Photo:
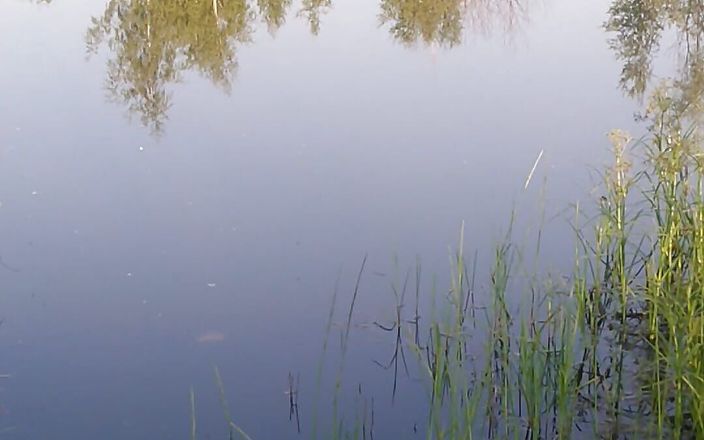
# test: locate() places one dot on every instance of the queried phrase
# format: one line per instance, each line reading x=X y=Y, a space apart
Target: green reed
x=613 y=350
x=619 y=349
x=675 y=274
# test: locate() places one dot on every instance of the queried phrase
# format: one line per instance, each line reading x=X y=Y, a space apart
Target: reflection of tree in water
x=638 y=27
x=443 y=22
x=273 y=12
x=431 y=22
x=312 y=10
x=154 y=42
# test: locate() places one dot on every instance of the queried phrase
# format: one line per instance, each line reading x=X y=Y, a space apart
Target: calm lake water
x=180 y=191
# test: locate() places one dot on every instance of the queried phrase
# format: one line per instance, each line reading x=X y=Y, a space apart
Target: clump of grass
x=619 y=350
x=674 y=284
x=615 y=351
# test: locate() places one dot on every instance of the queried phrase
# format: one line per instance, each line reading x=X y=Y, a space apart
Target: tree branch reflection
x=152 y=43
x=638 y=28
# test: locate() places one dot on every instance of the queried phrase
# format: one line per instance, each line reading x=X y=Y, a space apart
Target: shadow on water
x=152 y=44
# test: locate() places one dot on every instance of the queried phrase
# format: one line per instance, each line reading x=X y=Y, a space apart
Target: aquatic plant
x=614 y=350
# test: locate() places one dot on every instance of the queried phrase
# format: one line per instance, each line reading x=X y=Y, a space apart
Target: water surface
x=181 y=187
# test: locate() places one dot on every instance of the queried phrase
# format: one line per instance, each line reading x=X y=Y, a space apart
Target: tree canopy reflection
x=443 y=22
x=153 y=43
x=412 y=21
x=638 y=28
x=312 y=11
x=273 y=12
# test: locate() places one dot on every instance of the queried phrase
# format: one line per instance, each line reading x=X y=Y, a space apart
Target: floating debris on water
x=211 y=285
x=211 y=336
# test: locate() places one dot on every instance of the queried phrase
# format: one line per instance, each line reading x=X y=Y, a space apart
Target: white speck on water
x=211 y=285
x=35 y=193
x=129 y=274
x=141 y=148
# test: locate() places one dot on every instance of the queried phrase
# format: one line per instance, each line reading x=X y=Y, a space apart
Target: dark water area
x=182 y=184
